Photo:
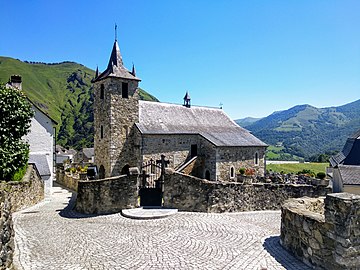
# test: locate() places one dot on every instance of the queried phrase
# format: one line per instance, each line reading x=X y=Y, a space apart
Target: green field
x=296 y=167
x=278 y=153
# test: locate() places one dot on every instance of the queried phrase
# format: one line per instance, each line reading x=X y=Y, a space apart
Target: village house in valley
x=345 y=166
x=130 y=131
x=41 y=139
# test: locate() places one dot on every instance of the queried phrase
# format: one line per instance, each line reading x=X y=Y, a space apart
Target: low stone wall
x=189 y=193
x=324 y=233
x=108 y=195
x=67 y=180
x=7 y=233
x=15 y=196
x=25 y=193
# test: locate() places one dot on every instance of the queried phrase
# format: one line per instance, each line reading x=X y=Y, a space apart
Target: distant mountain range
x=64 y=91
x=304 y=130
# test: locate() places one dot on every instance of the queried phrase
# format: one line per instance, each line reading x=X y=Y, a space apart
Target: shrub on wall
x=321 y=175
x=15 y=120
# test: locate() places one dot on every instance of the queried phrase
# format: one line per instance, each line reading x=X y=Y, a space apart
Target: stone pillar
x=342 y=210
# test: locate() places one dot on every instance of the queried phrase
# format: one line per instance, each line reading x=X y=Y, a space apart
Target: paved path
x=51 y=236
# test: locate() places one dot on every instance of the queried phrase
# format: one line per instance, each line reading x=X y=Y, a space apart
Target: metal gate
x=152 y=182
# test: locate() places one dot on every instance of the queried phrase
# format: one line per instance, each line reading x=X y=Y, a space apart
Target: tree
x=15 y=120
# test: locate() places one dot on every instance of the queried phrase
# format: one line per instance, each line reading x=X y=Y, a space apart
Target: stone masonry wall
x=239 y=157
x=7 y=233
x=25 y=193
x=108 y=195
x=67 y=179
x=15 y=196
x=323 y=233
x=117 y=116
x=177 y=150
x=189 y=193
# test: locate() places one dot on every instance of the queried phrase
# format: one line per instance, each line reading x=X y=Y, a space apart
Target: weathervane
x=221 y=105
x=115 y=32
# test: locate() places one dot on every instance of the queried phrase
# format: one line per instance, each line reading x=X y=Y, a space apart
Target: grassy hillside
x=297 y=167
x=244 y=122
x=64 y=91
x=49 y=85
x=305 y=131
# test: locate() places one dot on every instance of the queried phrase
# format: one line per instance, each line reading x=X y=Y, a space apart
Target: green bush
x=16 y=114
x=19 y=174
x=321 y=175
x=242 y=171
x=307 y=172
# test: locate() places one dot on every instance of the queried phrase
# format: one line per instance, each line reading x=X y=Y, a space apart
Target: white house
x=41 y=139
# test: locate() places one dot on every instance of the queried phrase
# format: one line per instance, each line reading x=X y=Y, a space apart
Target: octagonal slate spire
x=116 y=67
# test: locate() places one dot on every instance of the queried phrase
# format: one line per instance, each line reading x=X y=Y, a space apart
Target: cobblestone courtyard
x=51 y=236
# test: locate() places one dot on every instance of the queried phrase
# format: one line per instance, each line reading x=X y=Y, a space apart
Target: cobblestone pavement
x=52 y=236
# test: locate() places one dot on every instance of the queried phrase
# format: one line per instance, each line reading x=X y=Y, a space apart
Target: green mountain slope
x=64 y=91
x=305 y=130
x=244 y=122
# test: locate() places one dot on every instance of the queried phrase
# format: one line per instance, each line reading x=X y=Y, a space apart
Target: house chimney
x=15 y=81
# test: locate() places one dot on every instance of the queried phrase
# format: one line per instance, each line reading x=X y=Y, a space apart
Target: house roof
x=116 y=67
x=88 y=152
x=350 y=175
x=41 y=163
x=60 y=150
x=43 y=112
x=211 y=123
x=350 y=154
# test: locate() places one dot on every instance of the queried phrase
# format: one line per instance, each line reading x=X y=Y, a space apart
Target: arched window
x=256 y=158
x=101 y=172
x=102 y=90
x=125 y=170
x=101 y=132
x=207 y=175
x=232 y=172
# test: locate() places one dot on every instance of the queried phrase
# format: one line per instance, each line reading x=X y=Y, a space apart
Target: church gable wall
x=176 y=148
x=239 y=157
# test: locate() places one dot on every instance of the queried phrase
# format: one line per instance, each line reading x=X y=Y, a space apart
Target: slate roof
x=350 y=175
x=41 y=163
x=350 y=154
x=116 y=67
x=88 y=152
x=60 y=150
x=211 y=123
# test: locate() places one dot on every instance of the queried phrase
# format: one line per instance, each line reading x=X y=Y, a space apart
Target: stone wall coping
x=298 y=206
x=103 y=180
x=344 y=196
x=205 y=181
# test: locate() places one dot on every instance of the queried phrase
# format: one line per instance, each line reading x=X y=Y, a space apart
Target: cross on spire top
x=115 y=32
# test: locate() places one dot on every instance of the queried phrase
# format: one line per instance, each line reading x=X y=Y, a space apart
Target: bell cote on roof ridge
x=187 y=100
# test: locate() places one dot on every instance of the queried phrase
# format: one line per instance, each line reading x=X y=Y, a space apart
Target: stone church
x=130 y=131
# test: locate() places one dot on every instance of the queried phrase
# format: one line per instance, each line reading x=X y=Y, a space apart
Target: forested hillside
x=306 y=131
x=64 y=91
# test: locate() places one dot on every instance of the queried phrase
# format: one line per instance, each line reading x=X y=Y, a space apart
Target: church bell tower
x=116 y=110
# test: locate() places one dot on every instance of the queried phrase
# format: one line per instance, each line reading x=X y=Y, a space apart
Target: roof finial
x=187 y=100
x=115 y=32
x=97 y=71
x=133 y=72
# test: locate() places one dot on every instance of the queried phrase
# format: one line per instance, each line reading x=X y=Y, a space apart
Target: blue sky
x=255 y=57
